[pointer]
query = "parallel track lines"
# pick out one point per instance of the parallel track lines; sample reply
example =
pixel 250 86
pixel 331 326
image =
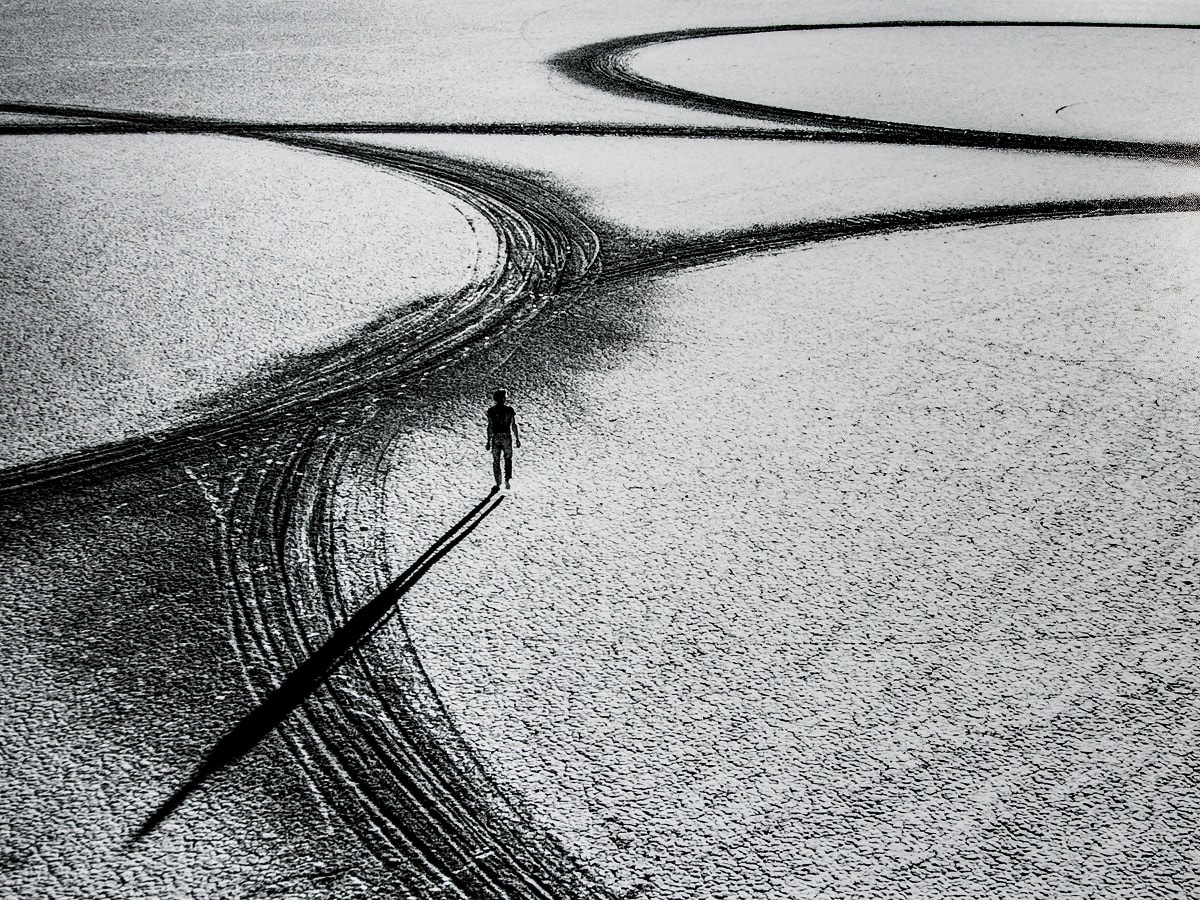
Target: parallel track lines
pixel 606 65
pixel 417 804
pixel 390 761
pixel 278 638
pixel 476 821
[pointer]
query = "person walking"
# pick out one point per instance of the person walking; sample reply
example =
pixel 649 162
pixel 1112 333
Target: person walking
pixel 501 434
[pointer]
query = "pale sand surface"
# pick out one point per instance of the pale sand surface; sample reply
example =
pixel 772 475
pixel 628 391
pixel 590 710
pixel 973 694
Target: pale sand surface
pixel 918 620
pixel 117 679
pixel 1086 82
pixel 471 60
pixel 704 185
pixel 140 274
pixel 896 593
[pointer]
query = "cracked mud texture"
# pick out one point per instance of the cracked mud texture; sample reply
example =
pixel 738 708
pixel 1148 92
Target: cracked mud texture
pixel 140 275
pixel 856 570
pixel 897 593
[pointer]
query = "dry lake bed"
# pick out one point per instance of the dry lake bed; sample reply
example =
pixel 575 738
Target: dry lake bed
pixel 852 543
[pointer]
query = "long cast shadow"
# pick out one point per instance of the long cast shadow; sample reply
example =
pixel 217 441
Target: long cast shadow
pixel 311 673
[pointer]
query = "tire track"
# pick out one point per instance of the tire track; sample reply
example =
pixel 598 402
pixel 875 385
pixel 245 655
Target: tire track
pixel 605 65
pixel 416 798
pixel 513 836
pixel 273 642
pixel 389 759
pixel 453 324
pixel 669 255
pixel 546 251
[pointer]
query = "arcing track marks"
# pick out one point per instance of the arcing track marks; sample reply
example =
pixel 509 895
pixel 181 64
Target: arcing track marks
pixel 379 747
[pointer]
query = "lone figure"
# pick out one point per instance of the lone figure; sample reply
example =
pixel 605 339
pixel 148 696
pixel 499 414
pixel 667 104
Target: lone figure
pixel 501 433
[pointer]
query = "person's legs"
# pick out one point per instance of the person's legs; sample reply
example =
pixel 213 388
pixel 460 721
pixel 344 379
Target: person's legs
pixel 496 465
pixel 507 468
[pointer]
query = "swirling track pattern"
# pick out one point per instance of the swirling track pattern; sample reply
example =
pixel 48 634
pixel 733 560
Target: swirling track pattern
pixel 379 748
pixel 386 756
pixel 543 248
pixel 605 65
pixel 446 846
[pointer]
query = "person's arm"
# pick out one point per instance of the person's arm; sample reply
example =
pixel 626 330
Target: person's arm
pixel 516 434
pixel 488 446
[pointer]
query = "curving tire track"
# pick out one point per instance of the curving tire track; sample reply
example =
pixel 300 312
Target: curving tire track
pixel 380 748
pixel 544 247
pixel 387 758
pixel 685 252
pixel 606 65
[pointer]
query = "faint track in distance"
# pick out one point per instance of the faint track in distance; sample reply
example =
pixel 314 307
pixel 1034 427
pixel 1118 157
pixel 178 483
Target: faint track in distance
pixel 605 65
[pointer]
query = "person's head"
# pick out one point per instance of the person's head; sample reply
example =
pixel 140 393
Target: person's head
pixel 500 396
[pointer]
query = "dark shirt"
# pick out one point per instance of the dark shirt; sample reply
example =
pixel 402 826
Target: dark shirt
pixel 501 418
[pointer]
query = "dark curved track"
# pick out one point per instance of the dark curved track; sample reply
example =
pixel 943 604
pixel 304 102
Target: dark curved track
pixel 378 747
pixel 605 65
pixel 381 749
pixel 545 248
pixel 539 231
pixel 686 252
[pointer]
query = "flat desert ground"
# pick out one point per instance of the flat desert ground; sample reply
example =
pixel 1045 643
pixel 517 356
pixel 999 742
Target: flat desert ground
pixel 853 540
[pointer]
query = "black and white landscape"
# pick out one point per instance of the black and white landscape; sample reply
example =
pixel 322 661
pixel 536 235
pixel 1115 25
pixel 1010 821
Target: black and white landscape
pixel 853 541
